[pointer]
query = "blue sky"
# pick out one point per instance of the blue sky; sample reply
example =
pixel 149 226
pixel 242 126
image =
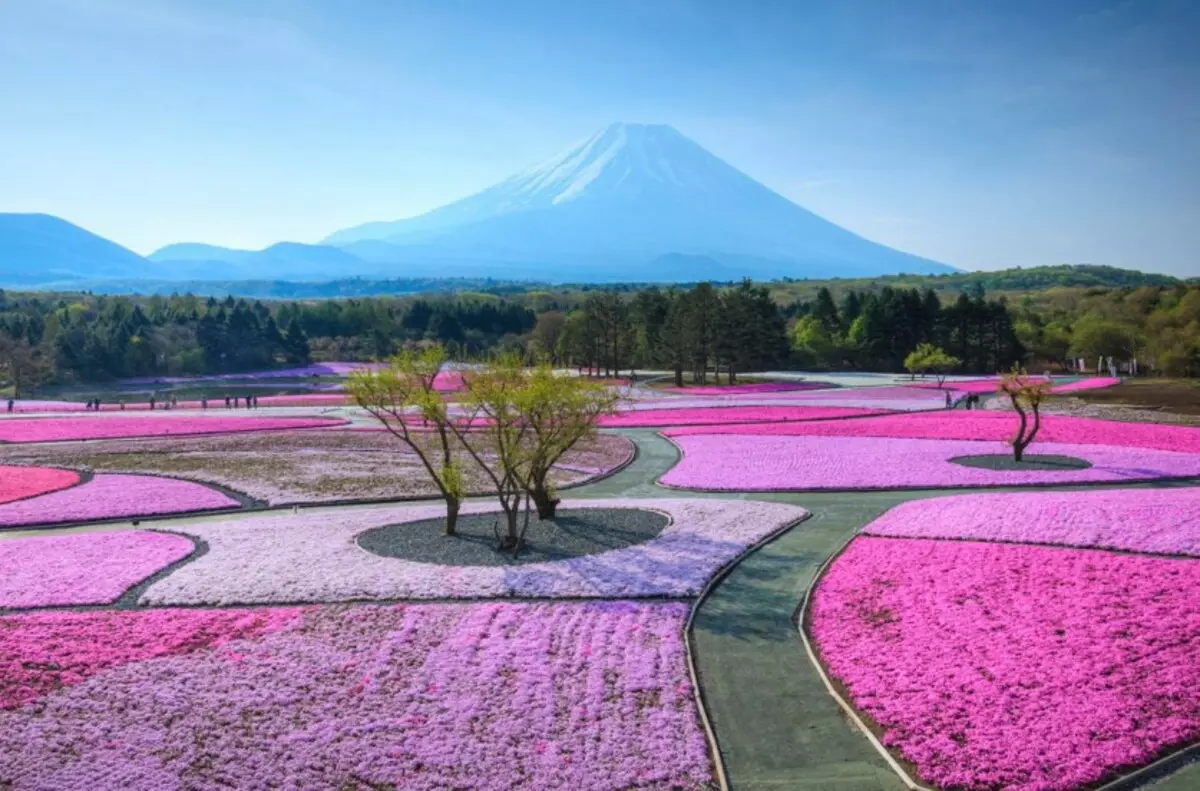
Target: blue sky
pixel 982 134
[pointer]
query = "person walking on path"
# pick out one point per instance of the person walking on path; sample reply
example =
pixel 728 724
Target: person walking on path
pixel 949 401
pixel 10 405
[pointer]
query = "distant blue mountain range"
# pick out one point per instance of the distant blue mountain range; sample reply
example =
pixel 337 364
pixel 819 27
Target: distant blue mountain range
pixel 632 203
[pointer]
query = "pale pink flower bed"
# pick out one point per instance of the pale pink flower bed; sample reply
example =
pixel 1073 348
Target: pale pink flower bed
pixel 1165 521
pixel 56 429
pixel 754 387
pixel 724 415
pixel 83 568
pixel 755 463
pixel 18 483
pixel 420 697
pixel 283 558
pixel 1005 666
pixel 981 425
pixel 114 496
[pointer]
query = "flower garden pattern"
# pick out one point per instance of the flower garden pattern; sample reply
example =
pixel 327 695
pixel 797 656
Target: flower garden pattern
pixel 284 558
pixel 82 568
pixel 1019 667
pixel 1164 521
pixel 112 497
pixel 701 416
pixel 486 696
pixel 976 425
pixel 754 462
pixel 18 483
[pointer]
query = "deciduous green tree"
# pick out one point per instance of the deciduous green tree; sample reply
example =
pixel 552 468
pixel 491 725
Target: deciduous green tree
pixel 401 396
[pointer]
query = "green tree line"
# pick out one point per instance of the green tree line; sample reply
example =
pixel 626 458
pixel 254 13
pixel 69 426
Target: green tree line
pixel 695 332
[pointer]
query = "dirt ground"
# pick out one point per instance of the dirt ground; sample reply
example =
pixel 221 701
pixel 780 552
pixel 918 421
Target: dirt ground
pixel 1181 396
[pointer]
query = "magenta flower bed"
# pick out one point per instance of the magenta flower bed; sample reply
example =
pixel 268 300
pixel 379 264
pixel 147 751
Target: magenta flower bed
pixel 84 568
pixel 420 697
pixel 280 558
pixel 981 425
pixel 1005 666
pixel 740 462
pixel 114 496
pixel 1165 521
pixel 719 415
pixel 754 387
pixel 48 651
pixel 1092 383
pixel 17 483
pixel 57 429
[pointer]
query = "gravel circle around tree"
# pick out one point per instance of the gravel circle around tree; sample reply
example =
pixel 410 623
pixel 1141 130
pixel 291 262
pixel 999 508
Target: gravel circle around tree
pixel 1002 462
pixel 572 533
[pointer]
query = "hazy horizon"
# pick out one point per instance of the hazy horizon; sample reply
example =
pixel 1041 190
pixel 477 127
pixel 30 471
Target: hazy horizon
pixel 1023 135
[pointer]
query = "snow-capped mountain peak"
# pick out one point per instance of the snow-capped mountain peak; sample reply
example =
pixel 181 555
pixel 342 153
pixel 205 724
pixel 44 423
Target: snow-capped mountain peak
pixel 627 196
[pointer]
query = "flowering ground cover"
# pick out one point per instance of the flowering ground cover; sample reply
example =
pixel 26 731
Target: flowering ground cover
pixel 1006 666
pixel 82 568
pixel 279 558
pixel 114 496
pixel 488 696
pixel 750 387
pixel 748 462
pixel 17 483
pixel 883 398
pixel 54 429
pixel 980 425
pixel 1165 521
pixel 48 651
pixel 700 416
pixel 1090 383
pixel 283 467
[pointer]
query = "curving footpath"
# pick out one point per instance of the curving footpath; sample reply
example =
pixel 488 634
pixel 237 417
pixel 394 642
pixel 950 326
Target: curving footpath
pixel 776 725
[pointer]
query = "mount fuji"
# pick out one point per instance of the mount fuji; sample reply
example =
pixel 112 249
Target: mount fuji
pixel 634 202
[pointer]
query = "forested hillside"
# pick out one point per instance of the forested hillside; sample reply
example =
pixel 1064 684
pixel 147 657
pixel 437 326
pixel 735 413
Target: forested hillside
pixel 67 338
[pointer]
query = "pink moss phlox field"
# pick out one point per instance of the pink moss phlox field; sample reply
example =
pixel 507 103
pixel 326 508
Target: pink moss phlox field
pixel 722 414
pixel 741 462
pixel 1091 383
pixel 47 651
pixel 112 496
pixel 17 483
pixel 1005 666
pixel 417 697
pixel 51 429
pixel 754 387
pixel 83 568
pixel 283 558
pixel 1166 521
pixel 981 425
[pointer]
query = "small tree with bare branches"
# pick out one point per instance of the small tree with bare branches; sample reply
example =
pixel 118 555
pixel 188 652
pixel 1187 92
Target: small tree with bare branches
pixel 1026 395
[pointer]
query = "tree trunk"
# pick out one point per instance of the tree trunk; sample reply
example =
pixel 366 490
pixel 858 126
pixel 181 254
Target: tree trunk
pixel 453 504
pixel 546 503
pixel 678 375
